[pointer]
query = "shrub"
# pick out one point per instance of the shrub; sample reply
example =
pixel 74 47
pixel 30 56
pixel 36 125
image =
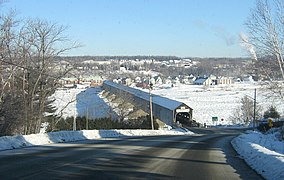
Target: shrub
pixel 271 113
pixel 102 123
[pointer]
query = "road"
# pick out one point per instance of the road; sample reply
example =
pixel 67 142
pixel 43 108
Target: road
pixel 208 155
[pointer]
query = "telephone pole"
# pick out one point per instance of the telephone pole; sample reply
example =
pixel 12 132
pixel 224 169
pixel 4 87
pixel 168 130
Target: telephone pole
pixel 151 108
pixel 254 110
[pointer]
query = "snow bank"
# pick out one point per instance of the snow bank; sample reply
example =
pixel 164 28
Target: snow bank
pixel 263 152
pixel 14 142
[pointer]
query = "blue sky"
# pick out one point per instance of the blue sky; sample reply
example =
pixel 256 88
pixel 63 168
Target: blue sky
pixel 184 28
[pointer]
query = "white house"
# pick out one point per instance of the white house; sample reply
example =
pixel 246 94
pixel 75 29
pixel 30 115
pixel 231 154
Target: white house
pixel 157 80
pixel 188 79
pixel 225 80
pixel 126 81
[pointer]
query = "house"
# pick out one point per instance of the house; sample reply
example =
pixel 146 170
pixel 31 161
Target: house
pixel 213 79
pixel 225 80
pixel 118 81
pixel 157 80
pixel 69 82
pixel 90 80
pixel 206 81
pixel 168 81
pixel 96 81
pixel 126 81
pixel 188 79
pixel 138 79
pixel 122 69
pixel 191 79
pixel 238 80
pixel 175 80
pixel 248 79
pixel 184 79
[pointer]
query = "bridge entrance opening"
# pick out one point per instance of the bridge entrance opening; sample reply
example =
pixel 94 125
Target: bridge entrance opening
pixel 184 118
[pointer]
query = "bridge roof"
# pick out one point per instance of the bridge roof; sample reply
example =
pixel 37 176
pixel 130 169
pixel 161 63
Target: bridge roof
pixel 156 99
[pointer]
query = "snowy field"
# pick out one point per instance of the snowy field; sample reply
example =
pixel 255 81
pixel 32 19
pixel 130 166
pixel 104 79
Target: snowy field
pixel 81 102
pixel 217 101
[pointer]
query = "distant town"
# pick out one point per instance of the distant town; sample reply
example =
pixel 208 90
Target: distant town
pixel 160 71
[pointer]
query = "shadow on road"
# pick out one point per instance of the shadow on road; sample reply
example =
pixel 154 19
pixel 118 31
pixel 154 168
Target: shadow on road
pixel 216 154
pixel 153 157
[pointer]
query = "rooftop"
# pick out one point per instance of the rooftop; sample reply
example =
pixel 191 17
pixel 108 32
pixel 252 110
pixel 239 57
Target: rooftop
pixel 156 99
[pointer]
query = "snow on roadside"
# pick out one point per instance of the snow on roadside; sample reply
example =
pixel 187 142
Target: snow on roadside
pixel 20 141
pixel 263 152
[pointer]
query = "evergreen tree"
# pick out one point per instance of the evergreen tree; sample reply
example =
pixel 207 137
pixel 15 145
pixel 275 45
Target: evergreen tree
pixel 271 113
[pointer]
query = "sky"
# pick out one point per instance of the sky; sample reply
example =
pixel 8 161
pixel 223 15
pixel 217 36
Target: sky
pixel 184 28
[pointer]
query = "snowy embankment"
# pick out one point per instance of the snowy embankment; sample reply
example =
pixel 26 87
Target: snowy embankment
pixel 263 152
pixel 20 141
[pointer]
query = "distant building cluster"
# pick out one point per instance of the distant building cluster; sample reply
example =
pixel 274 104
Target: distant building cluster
pixel 92 81
pixel 158 71
pixel 158 80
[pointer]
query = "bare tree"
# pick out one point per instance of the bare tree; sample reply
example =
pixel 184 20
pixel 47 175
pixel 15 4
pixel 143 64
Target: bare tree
pixel 266 28
pixel 7 52
pixel 245 112
pixel 42 76
pixel 11 98
pixel 29 74
pixel 266 35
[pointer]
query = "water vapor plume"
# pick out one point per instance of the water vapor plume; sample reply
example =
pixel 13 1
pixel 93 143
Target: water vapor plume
pixel 221 32
pixel 248 46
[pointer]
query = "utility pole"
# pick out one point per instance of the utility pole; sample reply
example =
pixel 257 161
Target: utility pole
pixel 74 120
pixel 151 108
pixel 87 119
pixel 254 109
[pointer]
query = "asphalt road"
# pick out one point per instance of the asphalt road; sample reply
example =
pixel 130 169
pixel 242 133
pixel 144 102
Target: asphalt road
pixel 203 156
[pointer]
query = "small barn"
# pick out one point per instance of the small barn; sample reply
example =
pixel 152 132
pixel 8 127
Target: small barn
pixel 166 110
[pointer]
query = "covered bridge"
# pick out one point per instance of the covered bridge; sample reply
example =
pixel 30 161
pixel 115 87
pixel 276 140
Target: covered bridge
pixel 166 110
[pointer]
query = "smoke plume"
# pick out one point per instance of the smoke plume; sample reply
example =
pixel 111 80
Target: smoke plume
pixel 248 46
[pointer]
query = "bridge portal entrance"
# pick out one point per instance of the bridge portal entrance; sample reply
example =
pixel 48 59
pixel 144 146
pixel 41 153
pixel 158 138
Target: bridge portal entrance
pixel 183 115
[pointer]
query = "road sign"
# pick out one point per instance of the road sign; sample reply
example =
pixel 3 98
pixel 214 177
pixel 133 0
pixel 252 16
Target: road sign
pixel 215 118
pixel 270 123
